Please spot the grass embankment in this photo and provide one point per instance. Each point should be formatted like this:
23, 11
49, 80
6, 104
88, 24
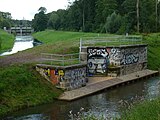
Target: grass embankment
153, 41
148, 110
68, 42
21, 86
6, 41
62, 42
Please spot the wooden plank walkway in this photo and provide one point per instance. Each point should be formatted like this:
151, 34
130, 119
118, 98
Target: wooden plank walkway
101, 83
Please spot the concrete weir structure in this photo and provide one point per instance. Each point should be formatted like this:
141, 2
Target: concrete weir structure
100, 67
116, 61
64, 77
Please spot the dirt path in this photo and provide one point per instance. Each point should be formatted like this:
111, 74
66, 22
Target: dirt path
19, 58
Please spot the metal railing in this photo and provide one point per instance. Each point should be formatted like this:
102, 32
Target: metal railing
59, 59
110, 41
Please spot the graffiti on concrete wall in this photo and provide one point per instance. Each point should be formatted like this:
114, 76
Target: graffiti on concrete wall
114, 56
76, 77
133, 55
100, 60
52, 75
97, 60
56, 76
66, 78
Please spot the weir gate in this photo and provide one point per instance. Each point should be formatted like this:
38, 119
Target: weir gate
21, 30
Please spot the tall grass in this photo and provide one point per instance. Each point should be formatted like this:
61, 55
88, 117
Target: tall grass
148, 110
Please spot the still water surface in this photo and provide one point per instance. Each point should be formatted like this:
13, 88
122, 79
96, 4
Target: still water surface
106, 102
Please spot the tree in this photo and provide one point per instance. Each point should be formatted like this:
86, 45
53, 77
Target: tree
137, 9
113, 23
5, 20
104, 8
53, 21
40, 20
42, 9
0, 42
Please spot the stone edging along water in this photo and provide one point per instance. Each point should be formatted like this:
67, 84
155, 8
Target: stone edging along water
104, 84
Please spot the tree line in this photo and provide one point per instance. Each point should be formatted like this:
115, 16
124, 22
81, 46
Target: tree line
106, 16
7, 21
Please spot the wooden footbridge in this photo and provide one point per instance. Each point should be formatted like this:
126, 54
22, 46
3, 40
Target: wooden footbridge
97, 84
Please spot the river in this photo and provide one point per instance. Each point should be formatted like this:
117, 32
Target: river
22, 43
107, 102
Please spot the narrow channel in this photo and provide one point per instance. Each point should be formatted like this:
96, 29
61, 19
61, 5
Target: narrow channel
107, 102
22, 43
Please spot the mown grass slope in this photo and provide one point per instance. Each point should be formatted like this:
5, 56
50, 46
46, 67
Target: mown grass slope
21, 86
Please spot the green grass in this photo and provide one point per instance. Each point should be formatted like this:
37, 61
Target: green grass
153, 41
68, 42
21, 86
148, 110
6, 41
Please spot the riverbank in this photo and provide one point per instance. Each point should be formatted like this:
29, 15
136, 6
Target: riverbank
6, 41
21, 86
18, 76
100, 84
148, 110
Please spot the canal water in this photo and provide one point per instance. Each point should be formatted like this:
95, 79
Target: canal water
22, 43
110, 102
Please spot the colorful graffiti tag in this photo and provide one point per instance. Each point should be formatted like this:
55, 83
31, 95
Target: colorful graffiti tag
65, 78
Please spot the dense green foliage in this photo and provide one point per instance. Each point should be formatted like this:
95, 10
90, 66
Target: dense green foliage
6, 41
7, 21
95, 16
98, 16
21, 86
40, 20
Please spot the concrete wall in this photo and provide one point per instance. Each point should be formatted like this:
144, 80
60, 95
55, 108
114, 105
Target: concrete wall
115, 61
67, 78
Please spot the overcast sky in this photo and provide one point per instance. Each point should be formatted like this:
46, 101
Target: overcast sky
26, 9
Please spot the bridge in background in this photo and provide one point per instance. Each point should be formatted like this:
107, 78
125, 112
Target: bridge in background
21, 30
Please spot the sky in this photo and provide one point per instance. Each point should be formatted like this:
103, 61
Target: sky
26, 9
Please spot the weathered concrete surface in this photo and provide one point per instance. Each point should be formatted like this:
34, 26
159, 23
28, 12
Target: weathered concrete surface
99, 83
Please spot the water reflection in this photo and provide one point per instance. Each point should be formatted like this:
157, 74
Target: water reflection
21, 43
106, 103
